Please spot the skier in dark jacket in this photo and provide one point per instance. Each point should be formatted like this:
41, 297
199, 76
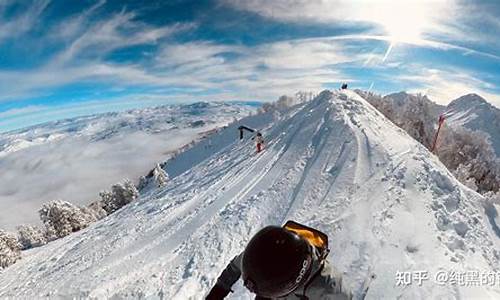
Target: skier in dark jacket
286, 262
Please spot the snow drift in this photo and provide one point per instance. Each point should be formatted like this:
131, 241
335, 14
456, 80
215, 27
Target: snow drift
334, 163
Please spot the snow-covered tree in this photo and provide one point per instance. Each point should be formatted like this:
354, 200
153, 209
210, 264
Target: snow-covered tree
160, 177
156, 178
492, 197
97, 209
285, 101
31, 236
303, 96
62, 218
462, 173
470, 156
143, 183
267, 107
416, 114
10, 250
120, 195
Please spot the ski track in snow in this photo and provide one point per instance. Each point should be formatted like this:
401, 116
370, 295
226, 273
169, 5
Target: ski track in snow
333, 163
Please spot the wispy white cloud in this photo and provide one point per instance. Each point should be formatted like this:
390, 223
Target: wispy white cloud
21, 23
70, 27
375, 57
277, 67
16, 112
262, 72
445, 24
388, 15
473, 22
84, 56
266, 70
117, 32
302, 54
274, 67
195, 54
444, 86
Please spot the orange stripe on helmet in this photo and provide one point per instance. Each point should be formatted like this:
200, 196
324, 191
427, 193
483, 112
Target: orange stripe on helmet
313, 236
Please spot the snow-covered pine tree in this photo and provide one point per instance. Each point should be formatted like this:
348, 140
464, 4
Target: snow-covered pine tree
492, 197
267, 107
416, 114
157, 177
97, 209
471, 158
143, 184
62, 218
30, 236
160, 177
303, 96
284, 102
462, 173
10, 250
120, 195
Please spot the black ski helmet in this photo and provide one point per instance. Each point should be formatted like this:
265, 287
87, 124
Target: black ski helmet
275, 262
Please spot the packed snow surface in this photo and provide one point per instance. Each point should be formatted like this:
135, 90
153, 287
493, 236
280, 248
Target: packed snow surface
74, 159
333, 163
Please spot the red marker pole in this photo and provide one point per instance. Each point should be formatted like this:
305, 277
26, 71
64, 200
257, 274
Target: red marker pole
440, 123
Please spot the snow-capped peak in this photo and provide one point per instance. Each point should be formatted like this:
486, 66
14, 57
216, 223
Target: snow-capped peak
475, 113
469, 100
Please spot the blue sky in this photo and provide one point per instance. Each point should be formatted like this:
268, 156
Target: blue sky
61, 59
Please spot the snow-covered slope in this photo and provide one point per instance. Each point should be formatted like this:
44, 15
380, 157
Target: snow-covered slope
334, 163
474, 112
74, 159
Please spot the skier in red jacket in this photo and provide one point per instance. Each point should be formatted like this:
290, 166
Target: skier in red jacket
260, 142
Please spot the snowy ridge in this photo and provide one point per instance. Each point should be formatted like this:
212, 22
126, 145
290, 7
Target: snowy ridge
334, 163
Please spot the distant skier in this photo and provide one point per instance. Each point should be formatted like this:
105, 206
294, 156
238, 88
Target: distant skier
344, 86
286, 262
259, 140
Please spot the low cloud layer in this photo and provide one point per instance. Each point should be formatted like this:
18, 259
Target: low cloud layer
75, 170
